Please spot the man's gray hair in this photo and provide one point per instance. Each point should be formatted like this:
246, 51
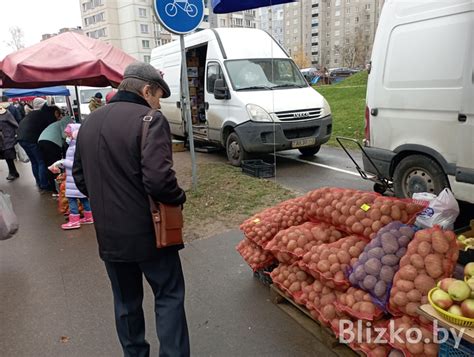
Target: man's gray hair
136, 86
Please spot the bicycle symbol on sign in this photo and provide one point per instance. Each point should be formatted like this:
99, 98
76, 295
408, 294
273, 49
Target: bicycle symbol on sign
171, 9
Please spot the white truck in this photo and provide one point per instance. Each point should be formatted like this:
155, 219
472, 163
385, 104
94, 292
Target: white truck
247, 95
419, 124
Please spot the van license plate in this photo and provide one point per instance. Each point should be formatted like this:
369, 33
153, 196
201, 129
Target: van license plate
303, 142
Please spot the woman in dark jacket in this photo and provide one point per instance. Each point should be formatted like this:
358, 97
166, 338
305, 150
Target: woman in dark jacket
8, 127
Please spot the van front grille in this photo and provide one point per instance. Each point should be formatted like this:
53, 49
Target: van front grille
304, 114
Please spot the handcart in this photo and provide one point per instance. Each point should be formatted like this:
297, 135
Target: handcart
381, 183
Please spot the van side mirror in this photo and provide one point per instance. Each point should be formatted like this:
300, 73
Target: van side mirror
221, 91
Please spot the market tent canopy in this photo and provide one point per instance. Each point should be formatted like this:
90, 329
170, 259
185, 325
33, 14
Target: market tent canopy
68, 58
225, 6
15, 93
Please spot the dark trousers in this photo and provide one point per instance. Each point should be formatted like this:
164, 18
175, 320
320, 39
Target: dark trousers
51, 153
165, 277
11, 167
37, 163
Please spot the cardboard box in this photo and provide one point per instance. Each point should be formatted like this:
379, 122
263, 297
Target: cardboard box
193, 61
192, 91
193, 72
178, 145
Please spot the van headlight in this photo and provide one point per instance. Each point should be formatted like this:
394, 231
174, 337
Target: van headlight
257, 113
326, 110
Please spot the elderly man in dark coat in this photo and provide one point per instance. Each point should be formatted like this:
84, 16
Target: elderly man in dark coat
112, 170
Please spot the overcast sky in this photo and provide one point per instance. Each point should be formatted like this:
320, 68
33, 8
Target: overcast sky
36, 17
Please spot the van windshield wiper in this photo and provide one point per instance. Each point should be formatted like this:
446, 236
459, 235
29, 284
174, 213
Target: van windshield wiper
289, 85
255, 87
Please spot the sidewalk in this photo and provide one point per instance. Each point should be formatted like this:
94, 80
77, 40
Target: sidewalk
53, 286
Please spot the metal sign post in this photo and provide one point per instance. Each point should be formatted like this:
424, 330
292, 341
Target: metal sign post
182, 17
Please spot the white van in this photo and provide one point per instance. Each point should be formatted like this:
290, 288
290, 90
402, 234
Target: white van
420, 97
247, 95
85, 95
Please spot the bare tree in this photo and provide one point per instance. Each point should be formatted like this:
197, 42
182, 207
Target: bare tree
17, 36
301, 59
354, 52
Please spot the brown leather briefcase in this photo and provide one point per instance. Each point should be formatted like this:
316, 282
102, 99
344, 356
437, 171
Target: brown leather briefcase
167, 220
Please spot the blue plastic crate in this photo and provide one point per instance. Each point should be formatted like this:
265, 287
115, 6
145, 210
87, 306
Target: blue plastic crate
465, 349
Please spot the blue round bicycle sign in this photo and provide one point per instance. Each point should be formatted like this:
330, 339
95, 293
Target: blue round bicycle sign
180, 16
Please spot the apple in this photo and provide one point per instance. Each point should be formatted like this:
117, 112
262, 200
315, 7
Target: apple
455, 310
442, 299
459, 290
444, 284
467, 308
470, 282
469, 270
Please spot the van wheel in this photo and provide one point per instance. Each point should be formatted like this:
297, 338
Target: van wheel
311, 151
235, 152
418, 173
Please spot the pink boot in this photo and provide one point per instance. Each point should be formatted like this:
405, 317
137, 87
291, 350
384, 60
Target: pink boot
74, 222
88, 219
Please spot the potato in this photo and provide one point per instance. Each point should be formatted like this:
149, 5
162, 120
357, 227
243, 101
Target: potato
424, 248
373, 266
385, 209
403, 241
401, 252
343, 257
431, 350
396, 213
354, 251
434, 265
424, 283
335, 268
376, 253
380, 289
400, 299
333, 259
387, 273
389, 243
415, 348
414, 296
323, 266
385, 220
359, 273
408, 272
367, 308
357, 228
390, 260
369, 282
405, 285
440, 243
411, 308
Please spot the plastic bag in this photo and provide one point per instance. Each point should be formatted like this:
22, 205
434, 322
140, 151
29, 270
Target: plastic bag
8, 220
442, 211
21, 154
377, 265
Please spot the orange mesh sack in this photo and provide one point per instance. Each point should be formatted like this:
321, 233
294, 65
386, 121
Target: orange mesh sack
431, 256
358, 212
358, 304
255, 256
329, 262
291, 244
291, 280
263, 226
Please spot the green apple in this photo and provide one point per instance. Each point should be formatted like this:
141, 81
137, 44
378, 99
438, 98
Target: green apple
459, 290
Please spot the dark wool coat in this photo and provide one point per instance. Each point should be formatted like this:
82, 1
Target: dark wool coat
110, 169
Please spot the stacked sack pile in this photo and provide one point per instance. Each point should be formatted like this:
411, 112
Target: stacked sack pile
352, 255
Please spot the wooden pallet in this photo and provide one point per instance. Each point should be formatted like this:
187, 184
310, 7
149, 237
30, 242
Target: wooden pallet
303, 317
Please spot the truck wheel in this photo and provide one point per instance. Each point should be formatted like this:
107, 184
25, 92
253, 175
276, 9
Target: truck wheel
311, 151
235, 151
418, 173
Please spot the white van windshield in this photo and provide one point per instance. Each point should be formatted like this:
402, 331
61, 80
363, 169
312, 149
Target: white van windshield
264, 74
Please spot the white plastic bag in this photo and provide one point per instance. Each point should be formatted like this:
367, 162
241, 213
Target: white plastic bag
21, 154
8, 220
442, 211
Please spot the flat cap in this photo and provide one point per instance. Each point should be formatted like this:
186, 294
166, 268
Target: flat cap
146, 72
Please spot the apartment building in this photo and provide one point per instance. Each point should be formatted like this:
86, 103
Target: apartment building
345, 31
130, 25
63, 30
297, 31
246, 18
270, 19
